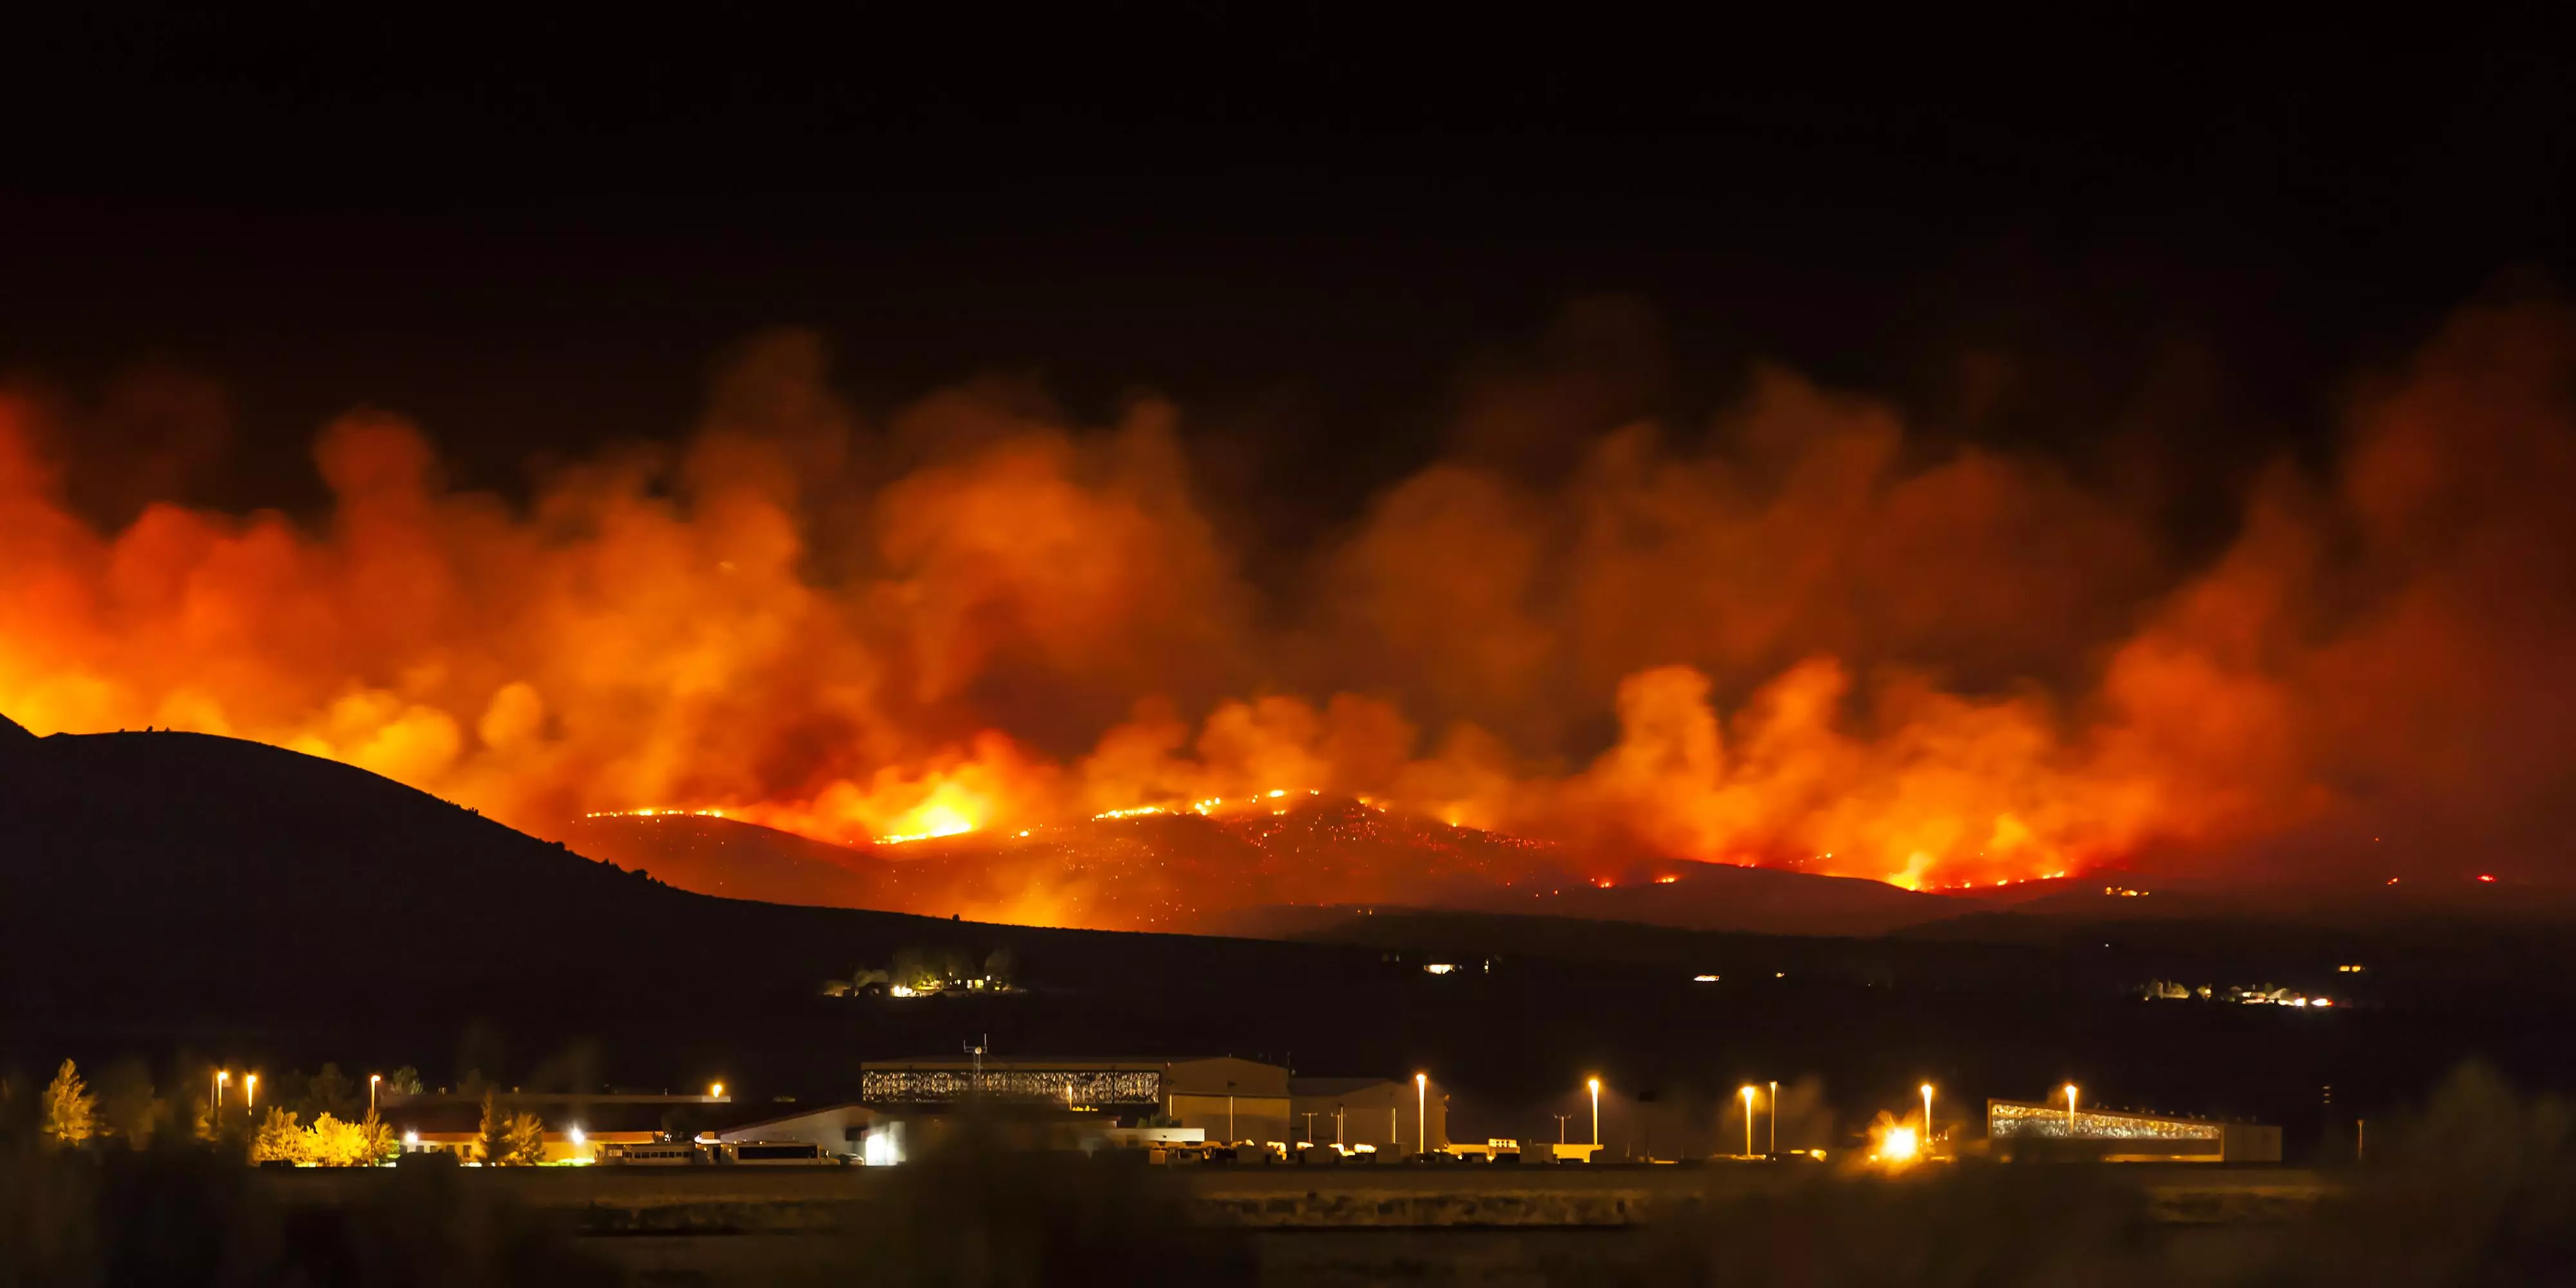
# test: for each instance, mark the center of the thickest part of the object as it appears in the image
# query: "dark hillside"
(192, 885)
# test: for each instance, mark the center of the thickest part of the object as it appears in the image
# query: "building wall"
(1232, 1118)
(838, 1129)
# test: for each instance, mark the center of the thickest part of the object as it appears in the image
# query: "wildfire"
(792, 620)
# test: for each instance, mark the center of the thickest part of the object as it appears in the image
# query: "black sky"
(533, 230)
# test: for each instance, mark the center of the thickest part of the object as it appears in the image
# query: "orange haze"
(1804, 637)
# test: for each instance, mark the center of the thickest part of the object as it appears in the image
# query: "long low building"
(1225, 1097)
(2123, 1136)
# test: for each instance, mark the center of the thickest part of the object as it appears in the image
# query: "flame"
(1815, 644)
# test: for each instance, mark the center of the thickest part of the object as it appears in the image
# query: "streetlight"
(1747, 1093)
(1560, 1127)
(1595, 1084)
(373, 1080)
(250, 1093)
(2070, 1111)
(222, 1077)
(715, 1091)
(1421, 1110)
(1775, 1115)
(1927, 1113)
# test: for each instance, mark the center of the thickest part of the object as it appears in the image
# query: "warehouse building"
(1225, 1097)
(2032, 1129)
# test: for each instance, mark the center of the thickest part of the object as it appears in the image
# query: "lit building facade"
(2122, 1136)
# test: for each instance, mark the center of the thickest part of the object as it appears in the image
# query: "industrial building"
(1224, 1097)
(576, 1125)
(2035, 1129)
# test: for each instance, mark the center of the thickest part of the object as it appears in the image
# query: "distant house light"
(1703, 979)
(1438, 968)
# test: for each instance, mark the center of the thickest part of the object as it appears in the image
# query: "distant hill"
(1198, 874)
(734, 860)
(179, 897)
(14, 735)
(180, 882)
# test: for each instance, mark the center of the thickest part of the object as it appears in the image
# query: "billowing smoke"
(1804, 637)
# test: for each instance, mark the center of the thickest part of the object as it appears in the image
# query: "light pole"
(222, 1077)
(1421, 1112)
(373, 1081)
(1595, 1084)
(715, 1091)
(1560, 1128)
(1748, 1119)
(2070, 1111)
(1927, 1113)
(1310, 1126)
(250, 1093)
(1775, 1115)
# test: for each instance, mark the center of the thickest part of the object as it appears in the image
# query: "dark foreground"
(1294, 1225)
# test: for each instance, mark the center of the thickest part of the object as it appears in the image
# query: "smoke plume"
(1803, 635)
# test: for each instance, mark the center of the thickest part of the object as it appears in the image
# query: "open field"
(1297, 1225)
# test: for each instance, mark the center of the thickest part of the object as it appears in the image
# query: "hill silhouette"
(177, 883)
(734, 860)
(14, 736)
(1215, 874)
(162, 894)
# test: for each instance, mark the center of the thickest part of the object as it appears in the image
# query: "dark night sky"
(533, 230)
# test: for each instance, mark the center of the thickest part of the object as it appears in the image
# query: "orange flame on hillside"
(1819, 648)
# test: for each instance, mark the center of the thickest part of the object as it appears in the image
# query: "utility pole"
(1560, 1127)
(1310, 1126)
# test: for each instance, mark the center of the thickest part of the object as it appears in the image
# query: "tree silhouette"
(527, 1135)
(492, 1137)
(280, 1139)
(71, 1113)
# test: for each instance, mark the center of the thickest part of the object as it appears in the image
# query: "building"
(1225, 1098)
(576, 1125)
(844, 1128)
(1385, 1113)
(2120, 1136)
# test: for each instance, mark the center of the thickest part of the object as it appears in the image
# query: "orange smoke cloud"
(1818, 644)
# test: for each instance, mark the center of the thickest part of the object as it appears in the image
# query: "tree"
(331, 1092)
(492, 1137)
(405, 1080)
(377, 1139)
(280, 1139)
(334, 1142)
(128, 1109)
(527, 1137)
(71, 1113)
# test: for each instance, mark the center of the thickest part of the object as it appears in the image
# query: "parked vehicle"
(780, 1153)
(660, 1153)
